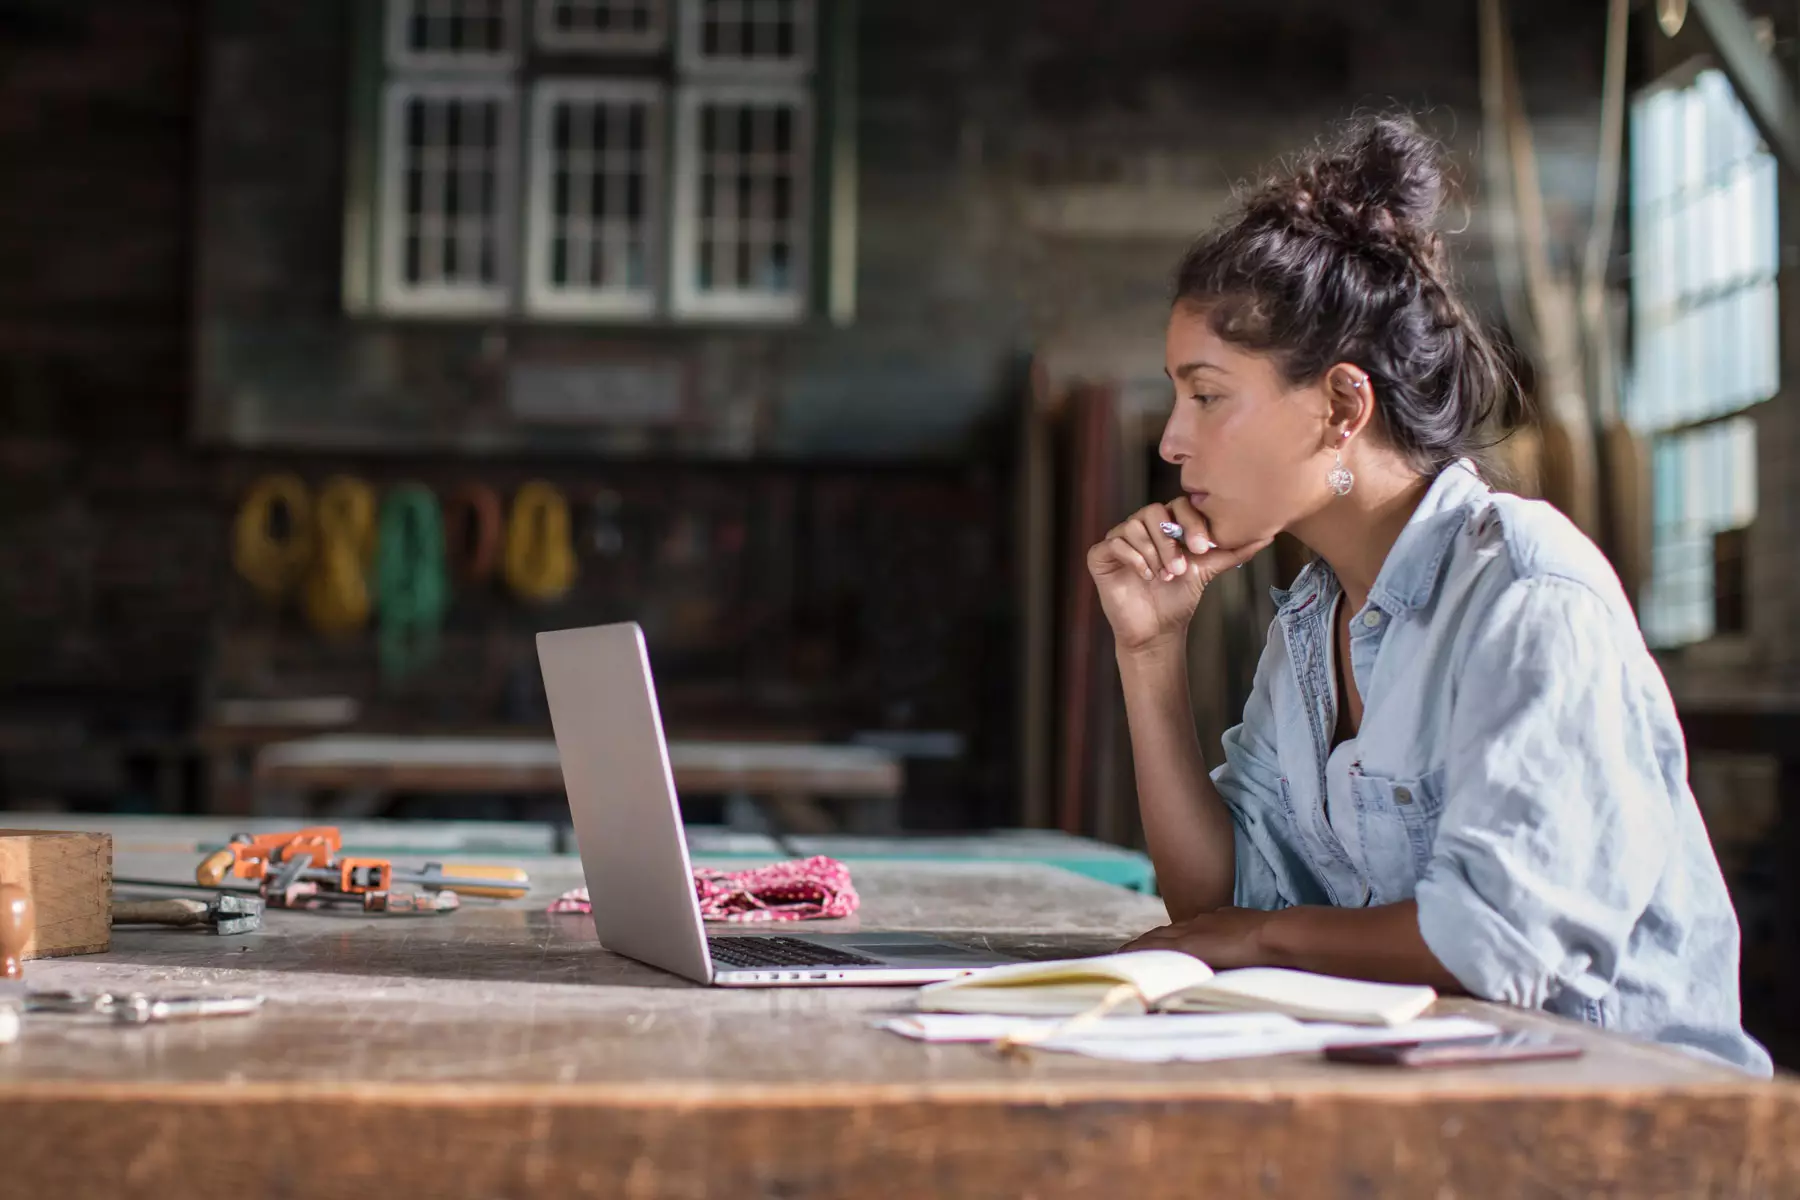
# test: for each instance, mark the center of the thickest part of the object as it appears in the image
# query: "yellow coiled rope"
(540, 551)
(272, 536)
(336, 596)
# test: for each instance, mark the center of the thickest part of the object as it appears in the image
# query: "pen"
(1176, 532)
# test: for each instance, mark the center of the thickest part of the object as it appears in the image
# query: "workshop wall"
(171, 238)
(1028, 174)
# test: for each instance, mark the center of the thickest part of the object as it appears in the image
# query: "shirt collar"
(1412, 568)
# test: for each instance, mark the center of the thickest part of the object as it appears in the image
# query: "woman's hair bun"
(1377, 188)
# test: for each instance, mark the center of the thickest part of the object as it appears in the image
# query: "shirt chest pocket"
(1398, 820)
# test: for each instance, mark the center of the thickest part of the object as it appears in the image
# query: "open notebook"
(1144, 981)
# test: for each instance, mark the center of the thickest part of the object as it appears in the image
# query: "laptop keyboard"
(782, 952)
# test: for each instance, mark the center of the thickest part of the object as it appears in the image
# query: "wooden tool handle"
(159, 912)
(511, 883)
(17, 923)
(212, 872)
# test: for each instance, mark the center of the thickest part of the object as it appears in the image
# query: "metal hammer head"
(229, 913)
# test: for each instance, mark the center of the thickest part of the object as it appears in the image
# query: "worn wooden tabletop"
(500, 1052)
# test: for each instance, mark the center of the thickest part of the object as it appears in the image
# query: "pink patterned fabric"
(810, 889)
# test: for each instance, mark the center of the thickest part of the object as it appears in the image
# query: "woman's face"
(1253, 452)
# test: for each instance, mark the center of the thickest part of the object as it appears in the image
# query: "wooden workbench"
(788, 778)
(431, 763)
(500, 1052)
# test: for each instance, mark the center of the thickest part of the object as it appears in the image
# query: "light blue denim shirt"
(1520, 773)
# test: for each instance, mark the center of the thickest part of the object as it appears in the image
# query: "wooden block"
(69, 876)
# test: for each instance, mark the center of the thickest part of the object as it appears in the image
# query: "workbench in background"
(709, 845)
(789, 783)
(499, 1051)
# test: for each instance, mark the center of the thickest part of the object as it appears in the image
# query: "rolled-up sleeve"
(1557, 822)
(1249, 781)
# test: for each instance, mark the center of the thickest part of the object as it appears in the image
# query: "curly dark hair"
(1335, 258)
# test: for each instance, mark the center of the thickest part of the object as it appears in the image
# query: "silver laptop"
(615, 767)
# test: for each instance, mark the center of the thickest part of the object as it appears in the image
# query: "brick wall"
(1028, 174)
(96, 137)
(106, 545)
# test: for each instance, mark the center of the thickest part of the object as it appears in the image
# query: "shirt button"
(1372, 618)
(1402, 795)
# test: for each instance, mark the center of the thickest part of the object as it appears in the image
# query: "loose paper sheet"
(1208, 1037)
(985, 1027)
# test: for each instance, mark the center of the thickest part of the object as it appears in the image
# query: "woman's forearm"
(1185, 823)
(1382, 943)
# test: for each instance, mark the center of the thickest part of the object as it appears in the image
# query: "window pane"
(1704, 484)
(1705, 345)
(457, 34)
(745, 176)
(1704, 256)
(595, 212)
(635, 26)
(758, 37)
(445, 162)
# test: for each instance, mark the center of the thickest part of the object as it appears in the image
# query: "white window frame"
(401, 57)
(651, 41)
(541, 296)
(1710, 447)
(397, 296)
(692, 60)
(685, 299)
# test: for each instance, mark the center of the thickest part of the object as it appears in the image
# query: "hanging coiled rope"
(540, 549)
(272, 537)
(336, 597)
(473, 531)
(412, 583)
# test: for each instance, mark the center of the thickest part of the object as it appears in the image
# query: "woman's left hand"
(1222, 939)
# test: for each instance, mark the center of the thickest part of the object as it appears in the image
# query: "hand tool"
(309, 896)
(180, 886)
(353, 876)
(137, 1008)
(251, 856)
(132, 1008)
(313, 853)
(225, 913)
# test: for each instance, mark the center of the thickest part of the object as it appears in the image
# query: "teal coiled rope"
(412, 579)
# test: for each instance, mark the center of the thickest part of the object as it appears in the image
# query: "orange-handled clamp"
(251, 856)
(312, 854)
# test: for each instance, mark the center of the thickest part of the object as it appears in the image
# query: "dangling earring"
(1339, 479)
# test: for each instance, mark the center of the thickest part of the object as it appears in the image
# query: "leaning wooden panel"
(69, 876)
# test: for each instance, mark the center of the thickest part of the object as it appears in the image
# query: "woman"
(1459, 764)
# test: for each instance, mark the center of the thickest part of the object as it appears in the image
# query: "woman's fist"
(1150, 581)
